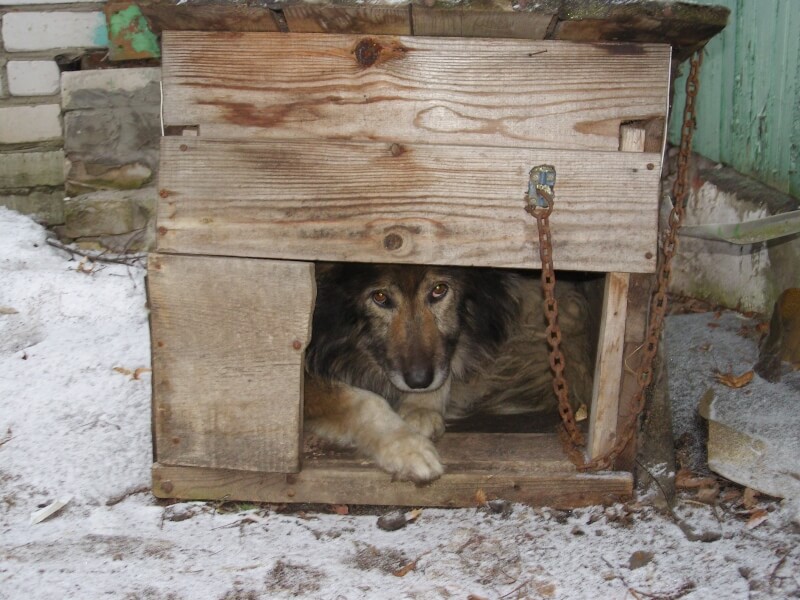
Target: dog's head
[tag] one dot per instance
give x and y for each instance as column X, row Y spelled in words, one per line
column 410, row 321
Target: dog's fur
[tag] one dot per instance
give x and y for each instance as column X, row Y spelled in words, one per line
column 397, row 349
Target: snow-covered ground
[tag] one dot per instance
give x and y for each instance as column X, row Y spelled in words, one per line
column 75, row 424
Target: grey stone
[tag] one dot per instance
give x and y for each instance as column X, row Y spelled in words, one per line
column 108, row 213
column 45, row 206
column 31, row 169
column 111, row 148
column 108, row 88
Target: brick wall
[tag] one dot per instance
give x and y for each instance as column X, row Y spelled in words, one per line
column 78, row 140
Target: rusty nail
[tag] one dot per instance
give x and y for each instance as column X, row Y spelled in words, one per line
column 290, row 493
column 176, row 440
column 163, row 193
column 648, row 255
column 162, row 230
column 183, row 147
column 392, row 241
column 650, row 166
column 297, row 344
column 167, row 486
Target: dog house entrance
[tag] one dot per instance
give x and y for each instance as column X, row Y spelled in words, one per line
column 421, row 156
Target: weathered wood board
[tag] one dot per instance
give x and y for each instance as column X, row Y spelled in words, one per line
column 228, row 337
column 496, row 22
column 513, row 93
column 372, row 202
column 336, row 18
column 526, row 468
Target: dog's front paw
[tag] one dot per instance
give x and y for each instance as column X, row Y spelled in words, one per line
column 411, row 457
column 424, row 421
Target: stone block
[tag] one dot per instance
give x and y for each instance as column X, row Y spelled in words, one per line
column 31, row 31
column 109, row 88
column 34, row 2
column 3, row 79
column 38, row 123
column 747, row 277
column 109, row 213
column 33, row 77
column 45, row 206
column 111, row 148
column 31, row 169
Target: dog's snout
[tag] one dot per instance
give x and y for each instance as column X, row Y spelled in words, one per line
column 418, row 377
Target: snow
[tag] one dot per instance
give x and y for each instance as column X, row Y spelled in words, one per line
column 72, row 425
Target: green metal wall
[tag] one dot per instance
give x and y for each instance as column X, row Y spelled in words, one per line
column 748, row 113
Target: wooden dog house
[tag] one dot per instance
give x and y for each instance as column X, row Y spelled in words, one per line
column 289, row 148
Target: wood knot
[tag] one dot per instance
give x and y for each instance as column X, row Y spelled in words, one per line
column 393, row 241
column 396, row 149
column 367, row 52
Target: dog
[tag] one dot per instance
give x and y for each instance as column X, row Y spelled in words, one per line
column 398, row 350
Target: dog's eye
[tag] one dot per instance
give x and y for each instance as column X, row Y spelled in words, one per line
column 439, row 290
column 380, row 298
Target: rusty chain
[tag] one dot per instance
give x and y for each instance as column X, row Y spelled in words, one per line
column 571, row 435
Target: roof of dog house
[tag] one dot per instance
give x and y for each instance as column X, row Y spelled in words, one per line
column 134, row 26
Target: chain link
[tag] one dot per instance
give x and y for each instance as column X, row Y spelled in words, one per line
column 570, row 434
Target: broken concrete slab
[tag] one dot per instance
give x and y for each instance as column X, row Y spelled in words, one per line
column 754, row 430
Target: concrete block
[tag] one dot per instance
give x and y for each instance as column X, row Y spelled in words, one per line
column 45, row 206
column 746, row 277
column 30, row 31
column 33, row 77
column 39, row 123
column 109, row 212
column 111, row 148
column 31, row 169
column 108, row 88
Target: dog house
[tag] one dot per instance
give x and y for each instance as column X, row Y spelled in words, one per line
column 287, row 148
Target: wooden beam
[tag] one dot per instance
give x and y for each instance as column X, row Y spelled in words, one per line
column 608, row 369
column 516, row 473
column 228, row 337
column 411, row 89
column 487, row 20
column 403, row 203
column 339, row 18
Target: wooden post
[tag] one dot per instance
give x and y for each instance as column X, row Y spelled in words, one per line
column 609, row 368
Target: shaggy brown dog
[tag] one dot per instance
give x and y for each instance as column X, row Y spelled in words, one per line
column 398, row 349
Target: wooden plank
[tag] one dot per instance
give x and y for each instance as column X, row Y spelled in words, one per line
column 496, row 20
column 608, row 369
column 228, row 337
column 337, row 18
column 411, row 89
column 197, row 15
column 393, row 203
column 358, row 482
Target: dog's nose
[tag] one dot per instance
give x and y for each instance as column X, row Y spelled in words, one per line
column 418, row 377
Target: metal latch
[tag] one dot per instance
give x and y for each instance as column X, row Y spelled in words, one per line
column 541, row 188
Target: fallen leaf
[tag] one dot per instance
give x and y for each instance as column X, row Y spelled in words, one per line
column 414, row 515
column 7, row 310
column 749, row 498
column 582, row 413
column 139, row 371
column 708, row 495
column 480, row 497
column 402, row 572
column 734, row 381
column 340, row 509
column 686, row 480
column 123, row 370
column 639, row 559
column 712, row 325
column 757, row 518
